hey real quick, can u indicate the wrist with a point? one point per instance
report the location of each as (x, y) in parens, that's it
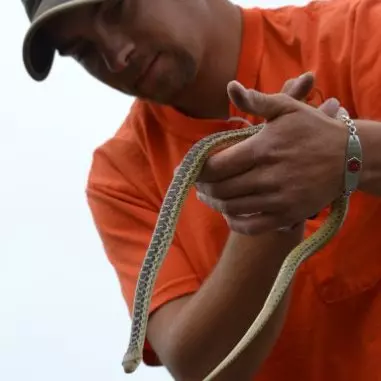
(273, 244)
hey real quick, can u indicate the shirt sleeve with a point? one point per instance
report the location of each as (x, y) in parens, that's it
(125, 213)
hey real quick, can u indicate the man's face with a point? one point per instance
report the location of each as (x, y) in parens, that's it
(149, 49)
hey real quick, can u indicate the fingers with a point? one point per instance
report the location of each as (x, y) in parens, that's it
(256, 223)
(244, 205)
(253, 182)
(270, 106)
(250, 101)
(299, 88)
(232, 161)
(330, 107)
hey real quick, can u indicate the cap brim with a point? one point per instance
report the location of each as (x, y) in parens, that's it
(38, 51)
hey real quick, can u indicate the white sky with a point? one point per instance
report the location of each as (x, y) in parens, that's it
(62, 316)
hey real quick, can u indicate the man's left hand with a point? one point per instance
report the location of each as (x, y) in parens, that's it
(279, 177)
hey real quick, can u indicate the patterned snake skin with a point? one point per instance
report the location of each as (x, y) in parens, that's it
(183, 180)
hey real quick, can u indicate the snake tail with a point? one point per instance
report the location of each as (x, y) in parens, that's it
(300, 253)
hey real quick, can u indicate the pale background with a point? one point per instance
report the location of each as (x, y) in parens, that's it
(62, 316)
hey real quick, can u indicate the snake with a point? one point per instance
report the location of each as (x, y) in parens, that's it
(183, 179)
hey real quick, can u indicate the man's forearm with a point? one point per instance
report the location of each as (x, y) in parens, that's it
(370, 138)
(218, 315)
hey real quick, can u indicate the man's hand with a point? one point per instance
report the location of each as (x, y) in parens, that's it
(289, 171)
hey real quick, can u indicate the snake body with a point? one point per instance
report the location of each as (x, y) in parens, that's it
(184, 178)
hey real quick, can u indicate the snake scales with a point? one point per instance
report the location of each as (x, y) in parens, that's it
(182, 181)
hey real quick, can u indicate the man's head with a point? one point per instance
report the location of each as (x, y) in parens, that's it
(145, 48)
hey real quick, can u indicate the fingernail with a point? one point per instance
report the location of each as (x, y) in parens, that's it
(200, 196)
(240, 85)
(307, 73)
(334, 101)
(304, 74)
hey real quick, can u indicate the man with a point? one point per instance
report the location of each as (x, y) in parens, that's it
(178, 58)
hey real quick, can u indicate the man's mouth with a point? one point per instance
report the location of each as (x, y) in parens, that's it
(145, 71)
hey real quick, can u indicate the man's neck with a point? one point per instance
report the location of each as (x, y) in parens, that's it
(207, 97)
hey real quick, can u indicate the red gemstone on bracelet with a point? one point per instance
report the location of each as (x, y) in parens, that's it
(353, 165)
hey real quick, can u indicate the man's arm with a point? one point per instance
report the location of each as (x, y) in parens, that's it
(193, 334)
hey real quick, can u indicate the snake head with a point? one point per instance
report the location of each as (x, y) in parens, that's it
(131, 361)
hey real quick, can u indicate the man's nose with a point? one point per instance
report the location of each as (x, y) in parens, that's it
(115, 47)
(116, 56)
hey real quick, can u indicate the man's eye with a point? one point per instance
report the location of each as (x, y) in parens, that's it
(111, 11)
(82, 52)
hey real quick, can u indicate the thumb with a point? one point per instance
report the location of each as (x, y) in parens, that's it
(253, 102)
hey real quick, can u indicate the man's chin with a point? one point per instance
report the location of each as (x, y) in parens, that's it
(165, 97)
(164, 94)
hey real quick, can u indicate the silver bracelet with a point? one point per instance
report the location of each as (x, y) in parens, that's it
(353, 157)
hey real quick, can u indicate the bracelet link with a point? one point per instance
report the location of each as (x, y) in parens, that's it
(353, 157)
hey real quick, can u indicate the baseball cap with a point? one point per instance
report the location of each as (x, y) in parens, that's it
(38, 50)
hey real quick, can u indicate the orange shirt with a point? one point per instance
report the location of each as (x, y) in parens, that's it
(333, 328)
